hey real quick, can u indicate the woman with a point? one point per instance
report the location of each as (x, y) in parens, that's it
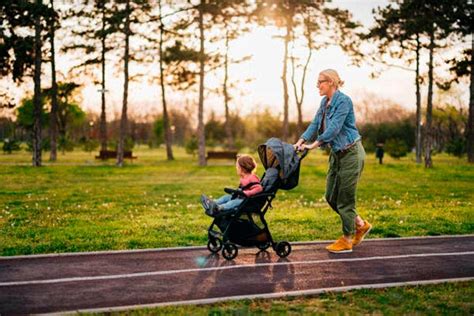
(334, 125)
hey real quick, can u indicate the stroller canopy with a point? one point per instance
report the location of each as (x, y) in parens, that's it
(282, 156)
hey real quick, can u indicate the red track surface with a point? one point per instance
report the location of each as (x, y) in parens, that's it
(116, 280)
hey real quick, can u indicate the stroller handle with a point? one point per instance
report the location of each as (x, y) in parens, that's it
(304, 153)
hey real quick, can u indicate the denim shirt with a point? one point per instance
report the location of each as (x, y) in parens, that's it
(341, 130)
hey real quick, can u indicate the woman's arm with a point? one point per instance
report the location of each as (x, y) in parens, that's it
(312, 130)
(312, 146)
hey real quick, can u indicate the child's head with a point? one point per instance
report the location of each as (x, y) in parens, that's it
(246, 164)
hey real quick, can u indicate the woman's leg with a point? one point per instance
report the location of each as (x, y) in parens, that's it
(351, 166)
(331, 183)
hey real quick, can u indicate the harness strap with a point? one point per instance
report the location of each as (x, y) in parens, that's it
(249, 185)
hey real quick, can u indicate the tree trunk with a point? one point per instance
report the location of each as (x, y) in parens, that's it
(418, 103)
(53, 128)
(470, 121)
(284, 81)
(429, 108)
(201, 131)
(123, 121)
(299, 100)
(103, 116)
(228, 127)
(168, 136)
(36, 136)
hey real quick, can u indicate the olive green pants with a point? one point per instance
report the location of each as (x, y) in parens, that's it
(341, 184)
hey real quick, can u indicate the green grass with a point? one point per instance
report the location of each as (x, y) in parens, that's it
(80, 204)
(440, 299)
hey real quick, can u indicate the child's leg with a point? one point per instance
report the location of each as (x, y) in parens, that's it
(224, 199)
(230, 205)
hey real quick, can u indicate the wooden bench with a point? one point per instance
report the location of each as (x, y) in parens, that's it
(111, 154)
(221, 155)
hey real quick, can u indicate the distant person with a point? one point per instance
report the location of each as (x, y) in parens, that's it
(334, 125)
(249, 186)
(379, 152)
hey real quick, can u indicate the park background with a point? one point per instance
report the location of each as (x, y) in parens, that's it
(147, 59)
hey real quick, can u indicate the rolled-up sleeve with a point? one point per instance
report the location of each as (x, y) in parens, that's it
(337, 120)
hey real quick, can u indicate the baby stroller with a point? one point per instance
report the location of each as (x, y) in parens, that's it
(246, 226)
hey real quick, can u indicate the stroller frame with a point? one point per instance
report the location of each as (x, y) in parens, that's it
(218, 240)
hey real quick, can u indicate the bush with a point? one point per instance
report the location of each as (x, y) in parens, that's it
(90, 145)
(45, 145)
(373, 133)
(10, 145)
(129, 144)
(456, 147)
(191, 145)
(159, 131)
(396, 148)
(65, 144)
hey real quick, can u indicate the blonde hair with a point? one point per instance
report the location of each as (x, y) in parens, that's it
(247, 163)
(333, 76)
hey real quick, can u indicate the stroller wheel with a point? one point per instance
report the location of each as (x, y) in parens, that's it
(229, 251)
(214, 245)
(283, 249)
(263, 246)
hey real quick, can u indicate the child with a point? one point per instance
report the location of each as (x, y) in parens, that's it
(249, 184)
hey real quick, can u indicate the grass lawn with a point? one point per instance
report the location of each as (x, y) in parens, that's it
(80, 204)
(440, 299)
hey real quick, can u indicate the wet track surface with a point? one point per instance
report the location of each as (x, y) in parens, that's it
(89, 281)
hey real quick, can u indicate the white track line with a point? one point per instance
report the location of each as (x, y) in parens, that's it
(167, 272)
(264, 296)
(65, 254)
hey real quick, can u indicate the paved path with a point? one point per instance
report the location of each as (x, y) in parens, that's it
(122, 279)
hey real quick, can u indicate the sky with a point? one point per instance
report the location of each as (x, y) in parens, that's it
(265, 68)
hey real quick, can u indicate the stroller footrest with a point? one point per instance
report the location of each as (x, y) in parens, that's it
(214, 234)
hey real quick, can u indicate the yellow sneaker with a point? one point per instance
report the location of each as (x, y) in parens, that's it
(340, 246)
(361, 233)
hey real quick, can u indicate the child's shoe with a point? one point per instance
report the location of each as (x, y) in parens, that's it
(204, 201)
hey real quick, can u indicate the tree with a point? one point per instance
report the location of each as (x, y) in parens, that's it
(126, 56)
(127, 13)
(37, 90)
(440, 23)
(25, 114)
(96, 25)
(16, 47)
(68, 112)
(464, 66)
(166, 124)
(232, 17)
(292, 14)
(188, 64)
(397, 31)
(53, 125)
(202, 58)
(309, 28)
(21, 52)
(435, 21)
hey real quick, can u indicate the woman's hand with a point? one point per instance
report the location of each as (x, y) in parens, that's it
(311, 146)
(299, 145)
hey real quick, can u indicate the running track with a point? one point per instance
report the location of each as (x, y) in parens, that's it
(118, 280)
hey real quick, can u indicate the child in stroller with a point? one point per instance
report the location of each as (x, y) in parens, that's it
(249, 186)
(243, 221)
